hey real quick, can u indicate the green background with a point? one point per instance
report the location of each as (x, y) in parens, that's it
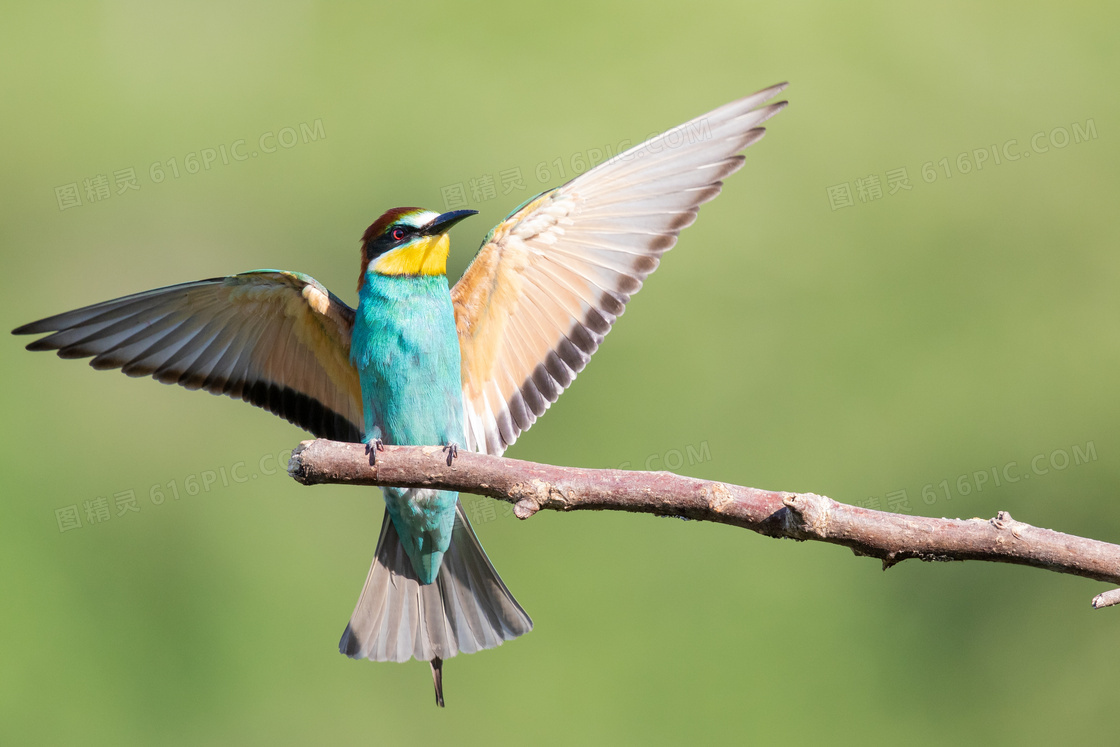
(961, 325)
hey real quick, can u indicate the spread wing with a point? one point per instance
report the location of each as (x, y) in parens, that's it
(549, 281)
(278, 340)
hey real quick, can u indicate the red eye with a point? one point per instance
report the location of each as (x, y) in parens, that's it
(397, 234)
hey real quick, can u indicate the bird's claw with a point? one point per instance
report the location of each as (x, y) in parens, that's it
(452, 450)
(374, 446)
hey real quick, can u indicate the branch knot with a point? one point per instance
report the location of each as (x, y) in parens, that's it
(810, 514)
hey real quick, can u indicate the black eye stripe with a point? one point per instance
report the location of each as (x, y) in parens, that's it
(388, 239)
(400, 233)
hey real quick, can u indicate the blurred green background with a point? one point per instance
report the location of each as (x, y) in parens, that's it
(791, 341)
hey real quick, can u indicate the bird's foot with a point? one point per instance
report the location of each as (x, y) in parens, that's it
(372, 448)
(452, 450)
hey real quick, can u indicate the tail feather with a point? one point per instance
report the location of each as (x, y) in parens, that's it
(466, 609)
(437, 679)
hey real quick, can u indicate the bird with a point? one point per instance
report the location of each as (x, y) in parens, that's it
(420, 362)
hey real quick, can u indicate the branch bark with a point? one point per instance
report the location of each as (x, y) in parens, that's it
(890, 537)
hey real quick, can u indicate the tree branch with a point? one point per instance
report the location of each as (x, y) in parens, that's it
(889, 537)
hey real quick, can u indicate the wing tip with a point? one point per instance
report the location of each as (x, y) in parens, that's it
(772, 91)
(37, 346)
(755, 101)
(34, 328)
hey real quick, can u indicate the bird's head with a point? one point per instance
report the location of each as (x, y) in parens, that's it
(409, 241)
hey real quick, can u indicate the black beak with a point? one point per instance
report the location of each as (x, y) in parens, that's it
(443, 223)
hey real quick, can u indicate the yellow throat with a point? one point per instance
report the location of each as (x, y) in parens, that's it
(426, 255)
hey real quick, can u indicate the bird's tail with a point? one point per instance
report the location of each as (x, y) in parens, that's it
(466, 609)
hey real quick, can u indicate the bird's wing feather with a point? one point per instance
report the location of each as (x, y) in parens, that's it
(278, 340)
(550, 280)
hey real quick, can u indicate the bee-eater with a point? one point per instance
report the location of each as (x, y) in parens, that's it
(419, 363)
